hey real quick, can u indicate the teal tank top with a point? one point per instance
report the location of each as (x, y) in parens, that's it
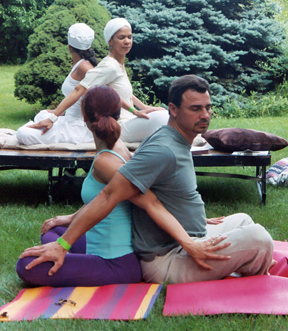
(110, 238)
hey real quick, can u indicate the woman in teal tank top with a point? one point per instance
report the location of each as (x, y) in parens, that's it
(105, 255)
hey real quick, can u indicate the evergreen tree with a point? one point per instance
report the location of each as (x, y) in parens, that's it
(220, 40)
(49, 62)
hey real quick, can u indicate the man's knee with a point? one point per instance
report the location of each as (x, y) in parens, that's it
(259, 236)
(241, 219)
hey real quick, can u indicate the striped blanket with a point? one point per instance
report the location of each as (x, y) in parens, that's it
(278, 173)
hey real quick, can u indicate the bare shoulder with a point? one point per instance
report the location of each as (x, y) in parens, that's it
(105, 165)
(81, 70)
(122, 149)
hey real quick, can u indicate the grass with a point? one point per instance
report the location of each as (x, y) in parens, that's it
(24, 207)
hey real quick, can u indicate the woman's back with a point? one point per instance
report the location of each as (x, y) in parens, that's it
(110, 238)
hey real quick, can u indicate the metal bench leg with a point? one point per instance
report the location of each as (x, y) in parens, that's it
(263, 180)
(50, 183)
(51, 179)
(261, 185)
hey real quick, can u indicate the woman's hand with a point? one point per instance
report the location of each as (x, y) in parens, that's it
(64, 220)
(215, 220)
(141, 113)
(46, 124)
(49, 252)
(53, 111)
(148, 109)
(205, 250)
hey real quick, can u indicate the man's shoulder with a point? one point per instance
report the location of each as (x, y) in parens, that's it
(158, 141)
(165, 138)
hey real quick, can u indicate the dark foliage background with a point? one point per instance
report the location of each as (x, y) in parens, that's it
(18, 18)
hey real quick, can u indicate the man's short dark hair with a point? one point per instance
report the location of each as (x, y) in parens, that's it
(184, 83)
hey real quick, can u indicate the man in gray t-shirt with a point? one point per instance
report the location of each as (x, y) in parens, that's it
(164, 164)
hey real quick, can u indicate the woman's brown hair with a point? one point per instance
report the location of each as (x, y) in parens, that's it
(101, 105)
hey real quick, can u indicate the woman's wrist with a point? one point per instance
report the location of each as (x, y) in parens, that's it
(132, 110)
(63, 243)
(52, 117)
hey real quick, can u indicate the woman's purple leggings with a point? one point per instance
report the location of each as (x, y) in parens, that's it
(80, 269)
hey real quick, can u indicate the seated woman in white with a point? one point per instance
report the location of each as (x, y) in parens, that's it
(136, 125)
(71, 127)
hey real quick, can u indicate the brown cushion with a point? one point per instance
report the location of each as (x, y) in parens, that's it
(235, 139)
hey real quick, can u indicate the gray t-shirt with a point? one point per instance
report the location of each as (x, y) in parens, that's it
(164, 164)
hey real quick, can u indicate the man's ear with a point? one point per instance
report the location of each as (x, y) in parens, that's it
(173, 109)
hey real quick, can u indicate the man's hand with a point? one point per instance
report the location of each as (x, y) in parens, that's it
(205, 250)
(46, 124)
(48, 252)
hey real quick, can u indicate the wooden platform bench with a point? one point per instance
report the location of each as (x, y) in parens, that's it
(59, 160)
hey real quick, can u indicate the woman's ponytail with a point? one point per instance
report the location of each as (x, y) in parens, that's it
(101, 105)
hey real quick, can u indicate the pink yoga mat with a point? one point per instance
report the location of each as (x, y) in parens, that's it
(280, 250)
(255, 294)
(250, 295)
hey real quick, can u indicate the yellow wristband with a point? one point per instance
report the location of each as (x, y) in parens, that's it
(131, 109)
(62, 242)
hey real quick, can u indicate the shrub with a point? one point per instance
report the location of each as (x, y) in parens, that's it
(144, 93)
(49, 62)
(273, 103)
(17, 21)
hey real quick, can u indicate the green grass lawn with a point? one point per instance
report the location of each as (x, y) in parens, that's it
(24, 207)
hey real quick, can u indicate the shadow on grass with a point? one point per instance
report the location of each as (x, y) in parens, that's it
(22, 116)
(31, 188)
(228, 190)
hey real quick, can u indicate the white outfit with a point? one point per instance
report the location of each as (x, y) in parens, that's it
(110, 72)
(70, 128)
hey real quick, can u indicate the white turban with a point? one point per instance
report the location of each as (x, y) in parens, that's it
(80, 36)
(113, 26)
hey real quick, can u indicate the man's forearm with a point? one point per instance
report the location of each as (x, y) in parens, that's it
(88, 217)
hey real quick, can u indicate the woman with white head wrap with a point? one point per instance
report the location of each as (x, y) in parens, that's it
(70, 128)
(136, 125)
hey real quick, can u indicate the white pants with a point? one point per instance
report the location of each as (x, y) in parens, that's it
(65, 130)
(251, 252)
(137, 129)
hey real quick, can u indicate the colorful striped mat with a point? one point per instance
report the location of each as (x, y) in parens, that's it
(113, 302)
